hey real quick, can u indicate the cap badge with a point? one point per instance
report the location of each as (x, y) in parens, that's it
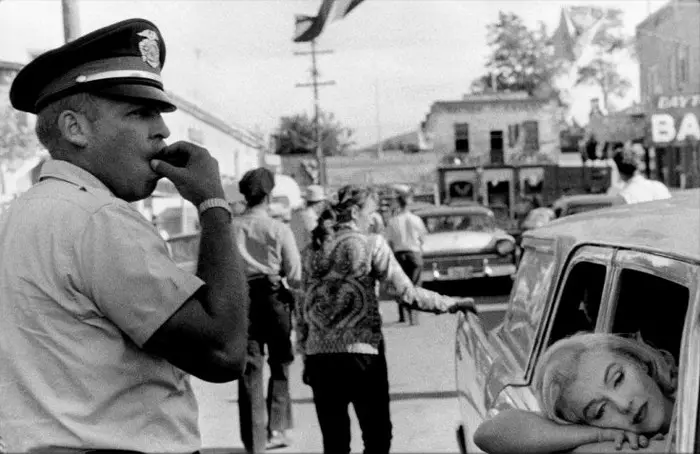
(150, 52)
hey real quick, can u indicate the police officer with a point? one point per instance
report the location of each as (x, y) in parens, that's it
(99, 326)
(271, 262)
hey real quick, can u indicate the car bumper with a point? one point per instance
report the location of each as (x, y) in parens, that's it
(464, 273)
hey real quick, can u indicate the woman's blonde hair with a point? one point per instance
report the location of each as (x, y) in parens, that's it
(558, 368)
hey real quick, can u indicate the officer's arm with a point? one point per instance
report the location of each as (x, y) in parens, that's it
(207, 336)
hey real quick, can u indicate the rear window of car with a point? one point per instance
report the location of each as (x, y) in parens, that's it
(459, 222)
(584, 208)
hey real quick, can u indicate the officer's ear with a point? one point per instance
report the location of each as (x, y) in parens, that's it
(74, 127)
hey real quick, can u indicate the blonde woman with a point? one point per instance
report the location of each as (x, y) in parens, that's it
(596, 391)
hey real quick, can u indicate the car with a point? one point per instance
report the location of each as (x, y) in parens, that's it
(623, 269)
(464, 243)
(574, 204)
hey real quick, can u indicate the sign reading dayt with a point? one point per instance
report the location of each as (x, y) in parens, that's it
(676, 120)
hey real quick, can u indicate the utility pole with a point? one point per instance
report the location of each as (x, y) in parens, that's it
(318, 139)
(71, 20)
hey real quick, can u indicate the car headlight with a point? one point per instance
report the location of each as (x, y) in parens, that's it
(504, 247)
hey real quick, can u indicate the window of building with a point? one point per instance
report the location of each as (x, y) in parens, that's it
(682, 63)
(496, 147)
(580, 300)
(653, 85)
(528, 300)
(532, 135)
(461, 137)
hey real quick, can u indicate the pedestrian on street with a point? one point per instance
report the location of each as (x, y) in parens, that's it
(405, 234)
(376, 221)
(272, 263)
(340, 327)
(635, 186)
(100, 328)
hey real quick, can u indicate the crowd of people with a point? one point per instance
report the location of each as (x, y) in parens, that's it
(101, 329)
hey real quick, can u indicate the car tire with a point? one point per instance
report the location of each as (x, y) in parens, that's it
(460, 433)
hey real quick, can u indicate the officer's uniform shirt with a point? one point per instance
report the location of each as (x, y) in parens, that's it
(640, 189)
(85, 281)
(405, 232)
(267, 246)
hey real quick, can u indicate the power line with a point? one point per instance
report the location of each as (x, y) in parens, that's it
(315, 83)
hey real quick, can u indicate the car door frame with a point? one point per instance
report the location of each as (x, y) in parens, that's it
(590, 253)
(683, 272)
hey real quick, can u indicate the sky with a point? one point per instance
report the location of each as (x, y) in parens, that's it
(390, 60)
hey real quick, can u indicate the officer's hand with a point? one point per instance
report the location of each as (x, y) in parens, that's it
(464, 305)
(192, 169)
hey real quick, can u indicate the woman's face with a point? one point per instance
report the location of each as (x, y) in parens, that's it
(615, 391)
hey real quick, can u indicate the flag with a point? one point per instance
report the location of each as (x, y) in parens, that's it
(308, 28)
(577, 32)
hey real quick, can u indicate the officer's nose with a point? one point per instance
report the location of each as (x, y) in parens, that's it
(161, 129)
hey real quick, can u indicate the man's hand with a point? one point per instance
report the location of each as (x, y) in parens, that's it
(465, 305)
(192, 169)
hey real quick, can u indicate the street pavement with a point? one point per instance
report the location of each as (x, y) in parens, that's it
(422, 384)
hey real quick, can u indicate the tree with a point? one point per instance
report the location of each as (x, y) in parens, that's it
(17, 140)
(296, 135)
(521, 59)
(606, 48)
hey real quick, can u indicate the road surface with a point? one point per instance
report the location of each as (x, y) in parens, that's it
(421, 374)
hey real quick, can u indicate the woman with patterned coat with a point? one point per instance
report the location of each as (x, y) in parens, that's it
(339, 325)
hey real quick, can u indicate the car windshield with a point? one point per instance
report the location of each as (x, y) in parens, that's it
(470, 222)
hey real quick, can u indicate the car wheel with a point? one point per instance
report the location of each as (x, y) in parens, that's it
(461, 439)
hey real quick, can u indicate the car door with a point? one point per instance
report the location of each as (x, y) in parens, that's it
(487, 361)
(578, 298)
(656, 298)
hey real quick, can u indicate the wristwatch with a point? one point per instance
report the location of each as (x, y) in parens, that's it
(214, 203)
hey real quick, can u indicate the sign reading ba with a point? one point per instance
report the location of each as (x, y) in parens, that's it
(676, 120)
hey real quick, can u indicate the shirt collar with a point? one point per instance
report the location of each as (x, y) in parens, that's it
(258, 211)
(64, 170)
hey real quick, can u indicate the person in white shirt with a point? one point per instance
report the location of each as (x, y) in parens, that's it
(635, 186)
(405, 233)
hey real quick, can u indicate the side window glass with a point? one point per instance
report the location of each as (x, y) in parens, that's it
(528, 300)
(652, 307)
(580, 300)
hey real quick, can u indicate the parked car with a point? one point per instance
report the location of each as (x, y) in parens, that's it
(624, 269)
(463, 242)
(574, 204)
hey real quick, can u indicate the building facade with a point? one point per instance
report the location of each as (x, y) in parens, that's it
(496, 129)
(668, 47)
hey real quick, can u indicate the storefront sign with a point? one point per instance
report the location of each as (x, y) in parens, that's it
(676, 120)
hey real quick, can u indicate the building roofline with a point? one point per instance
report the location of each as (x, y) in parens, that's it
(237, 132)
(653, 16)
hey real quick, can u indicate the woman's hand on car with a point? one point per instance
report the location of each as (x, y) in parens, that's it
(463, 305)
(619, 437)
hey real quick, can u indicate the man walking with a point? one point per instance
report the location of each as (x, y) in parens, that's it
(405, 234)
(100, 328)
(272, 261)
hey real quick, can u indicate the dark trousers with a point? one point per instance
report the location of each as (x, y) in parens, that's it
(341, 379)
(411, 264)
(270, 325)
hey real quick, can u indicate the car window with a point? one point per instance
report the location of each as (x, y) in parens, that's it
(653, 307)
(581, 295)
(528, 300)
(468, 222)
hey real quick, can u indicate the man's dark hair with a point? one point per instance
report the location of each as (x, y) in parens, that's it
(626, 162)
(403, 199)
